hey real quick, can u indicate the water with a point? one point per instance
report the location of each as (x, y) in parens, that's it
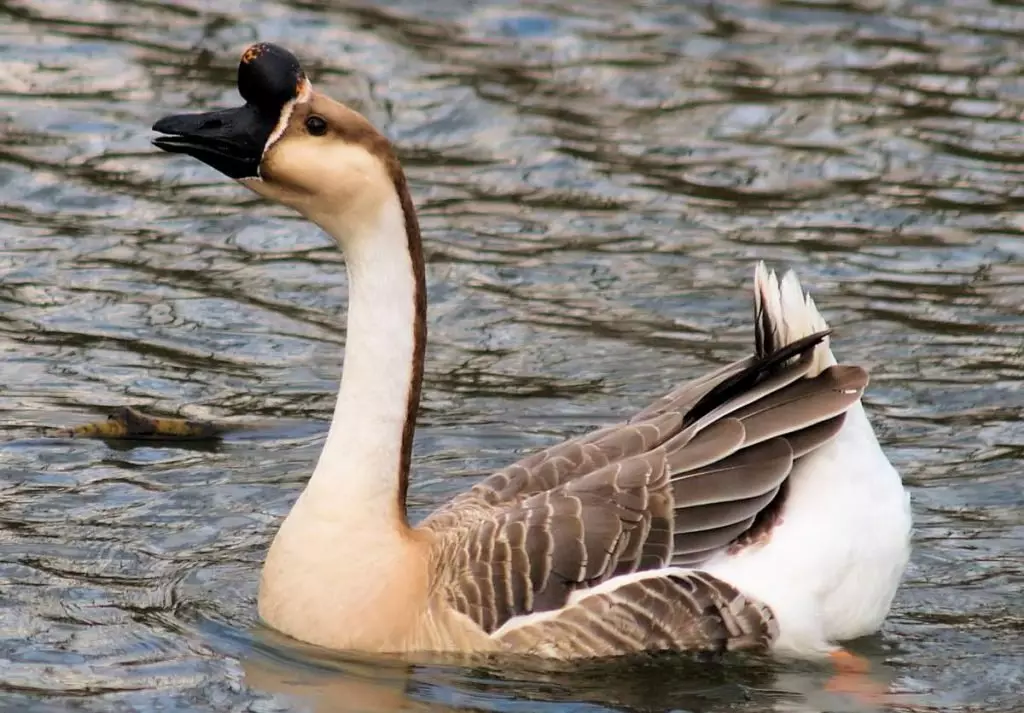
(595, 181)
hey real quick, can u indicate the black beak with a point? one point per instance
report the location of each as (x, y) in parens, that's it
(230, 140)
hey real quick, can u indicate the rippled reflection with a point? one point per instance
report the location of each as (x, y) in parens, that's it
(595, 181)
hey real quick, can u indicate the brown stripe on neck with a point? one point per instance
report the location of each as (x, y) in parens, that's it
(412, 232)
(358, 130)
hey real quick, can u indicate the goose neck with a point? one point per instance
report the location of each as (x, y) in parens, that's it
(363, 469)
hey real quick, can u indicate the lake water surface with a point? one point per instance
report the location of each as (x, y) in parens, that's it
(595, 181)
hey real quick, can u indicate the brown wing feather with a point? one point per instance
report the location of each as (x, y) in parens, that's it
(673, 487)
(686, 611)
(533, 555)
(549, 468)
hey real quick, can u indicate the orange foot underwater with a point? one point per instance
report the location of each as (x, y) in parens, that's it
(852, 678)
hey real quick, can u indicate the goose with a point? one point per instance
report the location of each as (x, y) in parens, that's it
(751, 508)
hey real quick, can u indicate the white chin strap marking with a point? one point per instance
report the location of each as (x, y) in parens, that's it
(304, 95)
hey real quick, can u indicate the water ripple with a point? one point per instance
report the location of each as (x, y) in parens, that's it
(595, 182)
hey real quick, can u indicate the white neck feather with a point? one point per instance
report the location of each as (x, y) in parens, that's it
(345, 570)
(358, 476)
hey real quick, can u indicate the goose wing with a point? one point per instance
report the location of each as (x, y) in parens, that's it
(669, 488)
(682, 610)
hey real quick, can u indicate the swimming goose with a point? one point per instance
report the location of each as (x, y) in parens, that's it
(749, 508)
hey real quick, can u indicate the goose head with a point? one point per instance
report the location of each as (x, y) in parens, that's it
(293, 145)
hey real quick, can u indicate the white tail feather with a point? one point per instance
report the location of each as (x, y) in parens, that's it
(783, 313)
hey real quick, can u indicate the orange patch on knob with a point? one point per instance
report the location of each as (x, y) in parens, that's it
(251, 53)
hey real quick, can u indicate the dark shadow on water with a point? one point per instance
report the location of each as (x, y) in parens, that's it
(330, 681)
(638, 685)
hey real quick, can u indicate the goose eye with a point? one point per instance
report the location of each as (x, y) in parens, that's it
(316, 126)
